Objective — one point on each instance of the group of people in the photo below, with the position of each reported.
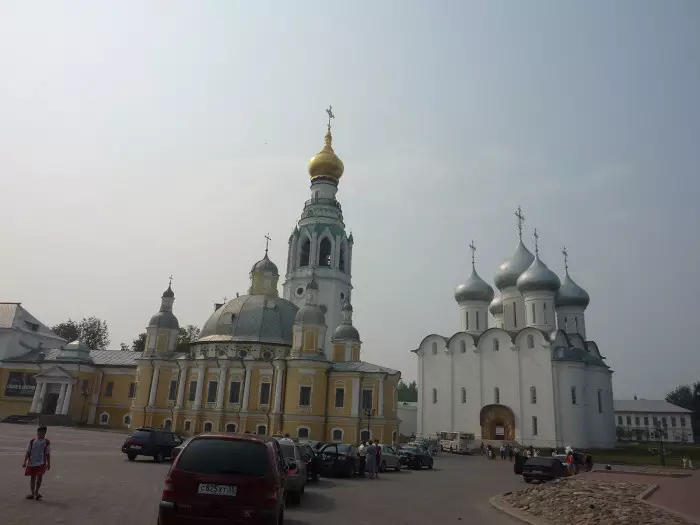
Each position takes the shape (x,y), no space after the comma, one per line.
(506,451)
(370,458)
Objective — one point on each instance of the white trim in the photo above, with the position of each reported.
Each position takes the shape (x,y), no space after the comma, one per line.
(204,425)
(118,371)
(366,430)
(104,422)
(257,427)
(308,432)
(235,427)
(342,435)
(124,420)
(265,372)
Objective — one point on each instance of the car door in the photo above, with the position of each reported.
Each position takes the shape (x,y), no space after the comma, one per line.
(389,455)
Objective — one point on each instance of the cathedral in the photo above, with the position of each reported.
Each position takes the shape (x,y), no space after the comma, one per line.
(531,378)
(263,363)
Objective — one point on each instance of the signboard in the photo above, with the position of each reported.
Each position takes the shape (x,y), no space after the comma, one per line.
(500,431)
(20,384)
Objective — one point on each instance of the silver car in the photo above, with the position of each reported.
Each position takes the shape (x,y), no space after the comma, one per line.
(389,459)
(296,477)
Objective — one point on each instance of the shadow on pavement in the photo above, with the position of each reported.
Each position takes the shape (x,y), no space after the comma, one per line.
(313,502)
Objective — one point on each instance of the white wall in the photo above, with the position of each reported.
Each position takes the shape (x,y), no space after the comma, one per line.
(675,434)
(408,414)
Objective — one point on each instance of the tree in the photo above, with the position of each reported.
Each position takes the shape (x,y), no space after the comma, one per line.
(124,347)
(188,334)
(139,344)
(407,392)
(92,331)
(688,397)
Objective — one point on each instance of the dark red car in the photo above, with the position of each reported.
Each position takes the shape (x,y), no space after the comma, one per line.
(225,479)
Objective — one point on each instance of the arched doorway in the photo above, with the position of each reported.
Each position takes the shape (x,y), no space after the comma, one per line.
(497,422)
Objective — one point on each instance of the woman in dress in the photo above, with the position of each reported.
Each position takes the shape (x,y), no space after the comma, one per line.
(371,459)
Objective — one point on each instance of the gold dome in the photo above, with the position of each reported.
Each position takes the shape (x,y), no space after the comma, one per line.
(326,163)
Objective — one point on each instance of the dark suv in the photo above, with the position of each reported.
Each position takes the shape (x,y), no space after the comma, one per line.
(157,443)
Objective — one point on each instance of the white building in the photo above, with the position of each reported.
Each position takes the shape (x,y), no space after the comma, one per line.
(21,332)
(636,420)
(407,412)
(532,377)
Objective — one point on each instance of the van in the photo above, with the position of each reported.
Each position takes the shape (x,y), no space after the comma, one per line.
(224,478)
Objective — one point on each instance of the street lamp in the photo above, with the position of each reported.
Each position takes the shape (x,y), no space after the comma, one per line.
(660,433)
(369,412)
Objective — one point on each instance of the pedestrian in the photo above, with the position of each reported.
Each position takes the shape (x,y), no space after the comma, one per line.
(570,466)
(362,450)
(287,440)
(510,453)
(37,461)
(483,448)
(371,465)
(379,457)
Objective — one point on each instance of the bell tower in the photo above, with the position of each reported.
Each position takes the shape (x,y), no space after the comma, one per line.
(319,248)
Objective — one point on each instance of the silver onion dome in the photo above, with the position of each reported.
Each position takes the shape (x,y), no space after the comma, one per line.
(571,294)
(264,265)
(508,273)
(310,314)
(164,319)
(347,332)
(538,278)
(474,289)
(496,306)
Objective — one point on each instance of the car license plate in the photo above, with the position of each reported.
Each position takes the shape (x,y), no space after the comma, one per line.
(217,490)
(135,447)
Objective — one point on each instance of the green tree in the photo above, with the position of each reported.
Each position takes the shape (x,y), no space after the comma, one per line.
(139,344)
(68,330)
(688,397)
(188,334)
(92,331)
(407,392)
(124,347)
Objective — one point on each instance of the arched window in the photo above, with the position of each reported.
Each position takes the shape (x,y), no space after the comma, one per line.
(462,347)
(188,425)
(533,395)
(337,435)
(231,427)
(530,341)
(496,345)
(341,262)
(434,395)
(515,317)
(496,395)
(104,418)
(127,420)
(477,320)
(566,324)
(167,424)
(464,395)
(466,319)
(207,426)
(365,435)
(305,252)
(261,430)
(303,433)
(544,309)
(434,348)
(324,252)
(534,314)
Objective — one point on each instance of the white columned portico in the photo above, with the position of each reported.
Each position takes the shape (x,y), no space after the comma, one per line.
(200,387)
(220,388)
(95,399)
(278,387)
(154,386)
(246,388)
(380,398)
(66,400)
(37,397)
(61,397)
(182,381)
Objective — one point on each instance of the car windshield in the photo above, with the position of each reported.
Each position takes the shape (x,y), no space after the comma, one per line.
(288,451)
(411,449)
(141,435)
(224,456)
(344,449)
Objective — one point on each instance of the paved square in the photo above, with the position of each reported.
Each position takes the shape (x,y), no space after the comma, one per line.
(92,482)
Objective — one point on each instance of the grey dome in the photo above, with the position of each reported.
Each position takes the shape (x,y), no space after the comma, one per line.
(496,306)
(310,314)
(474,289)
(264,265)
(256,318)
(347,307)
(508,273)
(571,294)
(346,331)
(538,278)
(169,292)
(164,320)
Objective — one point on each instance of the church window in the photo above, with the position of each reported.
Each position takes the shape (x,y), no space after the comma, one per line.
(576,323)
(515,317)
(231,427)
(365,435)
(466,319)
(463,347)
(573,395)
(132,389)
(324,253)
(303,433)
(619,420)
(367,400)
(305,252)
(534,425)
(496,345)
(304,396)
(636,420)
(533,395)
(464,395)
(109,389)
(172,390)
(341,261)
(664,422)
(496,395)
(193,391)
(534,314)
(434,348)
(211,391)
(655,420)
(477,320)
(261,430)
(339,397)
(544,308)
(207,426)
(629,421)
(337,434)
(673,421)
(530,341)
(600,403)
(104,418)
(434,395)
(188,425)
(646,421)
(682,420)
(167,424)
(234,392)
(127,420)
(265,393)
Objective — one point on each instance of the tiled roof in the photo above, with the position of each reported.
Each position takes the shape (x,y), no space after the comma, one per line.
(648,405)
(14,316)
(361,366)
(98,357)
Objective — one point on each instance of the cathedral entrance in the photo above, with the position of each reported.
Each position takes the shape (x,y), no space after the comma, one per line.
(497,423)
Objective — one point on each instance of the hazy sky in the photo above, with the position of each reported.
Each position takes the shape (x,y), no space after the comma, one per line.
(139,139)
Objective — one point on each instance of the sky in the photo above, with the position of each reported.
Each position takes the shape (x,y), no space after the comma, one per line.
(143,139)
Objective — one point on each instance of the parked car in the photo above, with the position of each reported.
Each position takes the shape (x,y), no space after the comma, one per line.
(316,446)
(176,450)
(296,471)
(313,461)
(224,478)
(157,443)
(390,460)
(339,460)
(413,456)
(543,469)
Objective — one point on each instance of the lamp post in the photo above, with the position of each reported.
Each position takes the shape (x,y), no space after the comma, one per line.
(85,392)
(660,432)
(369,412)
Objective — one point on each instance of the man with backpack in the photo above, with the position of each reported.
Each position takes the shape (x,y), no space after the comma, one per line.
(37,461)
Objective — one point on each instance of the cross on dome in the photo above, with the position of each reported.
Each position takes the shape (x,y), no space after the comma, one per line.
(537,239)
(170,282)
(521,218)
(267,242)
(566,260)
(473,249)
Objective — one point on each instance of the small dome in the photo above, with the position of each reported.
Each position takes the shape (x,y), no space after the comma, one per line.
(571,294)
(508,273)
(264,265)
(310,314)
(538,278)
(474,289)
(347,307)
(169,292)
(164,320)
(347,332)
(496,306)
(326,163)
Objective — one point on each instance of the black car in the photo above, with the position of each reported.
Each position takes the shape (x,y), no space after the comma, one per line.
(157,443)
(414,456)
(339,460)
(543,469)
(313,461)
(316,446)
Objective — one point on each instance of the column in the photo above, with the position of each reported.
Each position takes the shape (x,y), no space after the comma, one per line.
(154,387)
(61,397)
(66,400)
(182,382)
(95,399)
(36,398)
(380,398)
(221,388)
(246,388)
(200,388)
(278,388)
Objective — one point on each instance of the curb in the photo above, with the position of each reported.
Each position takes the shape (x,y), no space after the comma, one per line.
(497,503)
(657,474)
(648,492)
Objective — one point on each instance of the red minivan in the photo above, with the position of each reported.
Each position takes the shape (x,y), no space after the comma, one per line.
(227,478)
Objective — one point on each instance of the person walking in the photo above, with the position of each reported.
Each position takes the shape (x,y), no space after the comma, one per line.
(37,461)
(570,466)
(363,458)
(371,459)
(379,457)
(510,453)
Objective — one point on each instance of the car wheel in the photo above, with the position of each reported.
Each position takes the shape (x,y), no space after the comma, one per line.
(131,457)
(295,498)
(382,466)
(398,466)
(158,457)
(430,465)
(527,480)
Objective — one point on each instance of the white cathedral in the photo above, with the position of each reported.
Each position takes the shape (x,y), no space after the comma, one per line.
(532,377)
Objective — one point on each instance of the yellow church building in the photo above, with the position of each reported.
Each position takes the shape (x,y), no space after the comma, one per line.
(263,363)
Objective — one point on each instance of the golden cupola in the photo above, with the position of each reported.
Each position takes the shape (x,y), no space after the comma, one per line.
(326,164)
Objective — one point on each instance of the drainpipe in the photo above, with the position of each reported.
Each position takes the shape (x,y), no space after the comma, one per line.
(325,421)
(150,385)
(284,394)
(359,408)
(240,400)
